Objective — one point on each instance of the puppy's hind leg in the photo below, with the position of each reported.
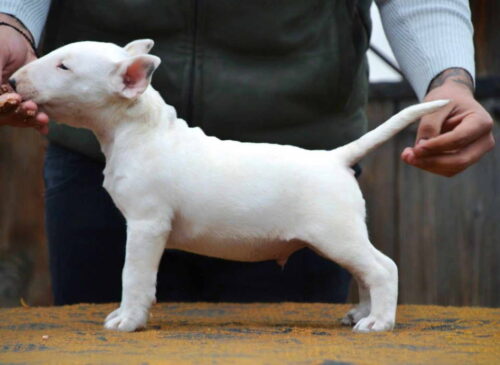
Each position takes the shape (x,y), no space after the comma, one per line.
(145,245)
(350,247)
(384,295)
(362,309)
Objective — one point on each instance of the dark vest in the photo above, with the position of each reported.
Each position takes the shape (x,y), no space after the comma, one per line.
(279,71)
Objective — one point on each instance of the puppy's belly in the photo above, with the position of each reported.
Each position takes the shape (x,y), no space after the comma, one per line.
(244,249)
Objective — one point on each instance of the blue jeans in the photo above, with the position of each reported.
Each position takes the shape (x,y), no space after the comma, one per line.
(86,236)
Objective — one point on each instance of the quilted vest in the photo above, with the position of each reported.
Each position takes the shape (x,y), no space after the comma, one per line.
(280,71)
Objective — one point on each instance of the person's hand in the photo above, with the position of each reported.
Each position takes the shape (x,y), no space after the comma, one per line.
(15,52)
(450,140)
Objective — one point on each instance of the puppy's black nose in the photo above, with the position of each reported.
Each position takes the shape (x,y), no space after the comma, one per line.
(12,83)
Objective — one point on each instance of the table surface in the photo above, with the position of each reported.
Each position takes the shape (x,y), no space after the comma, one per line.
(227,333)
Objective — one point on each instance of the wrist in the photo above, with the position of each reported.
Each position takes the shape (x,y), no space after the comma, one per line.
(10,21)
(15,22)
(453,77)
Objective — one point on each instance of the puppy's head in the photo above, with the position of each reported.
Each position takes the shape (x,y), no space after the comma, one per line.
(73,81)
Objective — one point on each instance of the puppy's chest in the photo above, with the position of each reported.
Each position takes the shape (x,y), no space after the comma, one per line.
(130,171)
(117,184)
(128,188)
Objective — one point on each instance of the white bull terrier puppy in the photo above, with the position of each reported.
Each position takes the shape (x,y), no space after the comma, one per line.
(179,188)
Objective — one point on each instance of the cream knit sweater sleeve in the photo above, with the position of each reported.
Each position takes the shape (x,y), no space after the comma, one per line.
(33,13)
(428,36)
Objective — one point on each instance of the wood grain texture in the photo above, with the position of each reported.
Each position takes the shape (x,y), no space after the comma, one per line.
(486,36)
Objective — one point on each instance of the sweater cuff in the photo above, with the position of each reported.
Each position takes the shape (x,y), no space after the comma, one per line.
(32,13)
(428,37)
(420,76)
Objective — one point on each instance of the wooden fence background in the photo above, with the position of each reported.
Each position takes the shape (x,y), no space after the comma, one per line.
(23,257)
(443,233)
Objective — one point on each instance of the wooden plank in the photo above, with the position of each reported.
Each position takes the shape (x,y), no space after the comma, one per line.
(486,36)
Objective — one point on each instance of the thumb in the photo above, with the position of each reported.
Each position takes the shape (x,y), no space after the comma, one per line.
(431,124)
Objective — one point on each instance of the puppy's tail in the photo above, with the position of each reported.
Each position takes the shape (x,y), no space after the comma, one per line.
(354,151)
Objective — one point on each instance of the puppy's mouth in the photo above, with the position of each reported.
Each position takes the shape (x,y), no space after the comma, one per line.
(29,94)
(20,85)
(25,96)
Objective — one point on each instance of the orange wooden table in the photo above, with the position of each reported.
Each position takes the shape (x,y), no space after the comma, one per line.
(201,333)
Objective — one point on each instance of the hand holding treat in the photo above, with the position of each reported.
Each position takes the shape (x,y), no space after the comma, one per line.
(8,101)
(16,51)
(15,112)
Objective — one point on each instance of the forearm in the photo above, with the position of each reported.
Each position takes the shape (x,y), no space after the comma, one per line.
(32,13)
(457,76)
(428,37)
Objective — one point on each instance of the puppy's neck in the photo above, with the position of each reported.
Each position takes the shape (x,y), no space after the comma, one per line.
(123,123)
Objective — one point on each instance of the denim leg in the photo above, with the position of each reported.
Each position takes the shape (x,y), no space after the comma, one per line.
(306,277)
(85,232)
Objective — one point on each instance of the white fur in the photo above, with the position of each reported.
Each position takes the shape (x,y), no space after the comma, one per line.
(179,188)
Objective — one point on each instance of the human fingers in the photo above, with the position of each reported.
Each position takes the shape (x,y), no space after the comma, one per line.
(431,124)
(9,102)
(15,113)
(471,128)
(32,117)
(450,164)
(42,121)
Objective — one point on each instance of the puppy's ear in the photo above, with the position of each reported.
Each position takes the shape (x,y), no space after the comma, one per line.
(139,46)
(133,75)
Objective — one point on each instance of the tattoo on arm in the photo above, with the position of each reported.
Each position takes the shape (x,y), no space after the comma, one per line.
(457,75)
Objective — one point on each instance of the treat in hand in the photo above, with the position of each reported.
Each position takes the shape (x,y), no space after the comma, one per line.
(8,103)
(13,111)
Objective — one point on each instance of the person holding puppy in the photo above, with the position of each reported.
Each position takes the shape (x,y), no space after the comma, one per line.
(288,72)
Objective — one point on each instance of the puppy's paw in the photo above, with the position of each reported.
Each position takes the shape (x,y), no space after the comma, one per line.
(126,320)
(373,324)
(355,315)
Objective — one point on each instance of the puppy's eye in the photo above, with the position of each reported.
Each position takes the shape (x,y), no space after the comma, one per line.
(62,66)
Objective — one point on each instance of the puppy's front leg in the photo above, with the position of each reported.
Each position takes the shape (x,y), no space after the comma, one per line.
(145,244)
